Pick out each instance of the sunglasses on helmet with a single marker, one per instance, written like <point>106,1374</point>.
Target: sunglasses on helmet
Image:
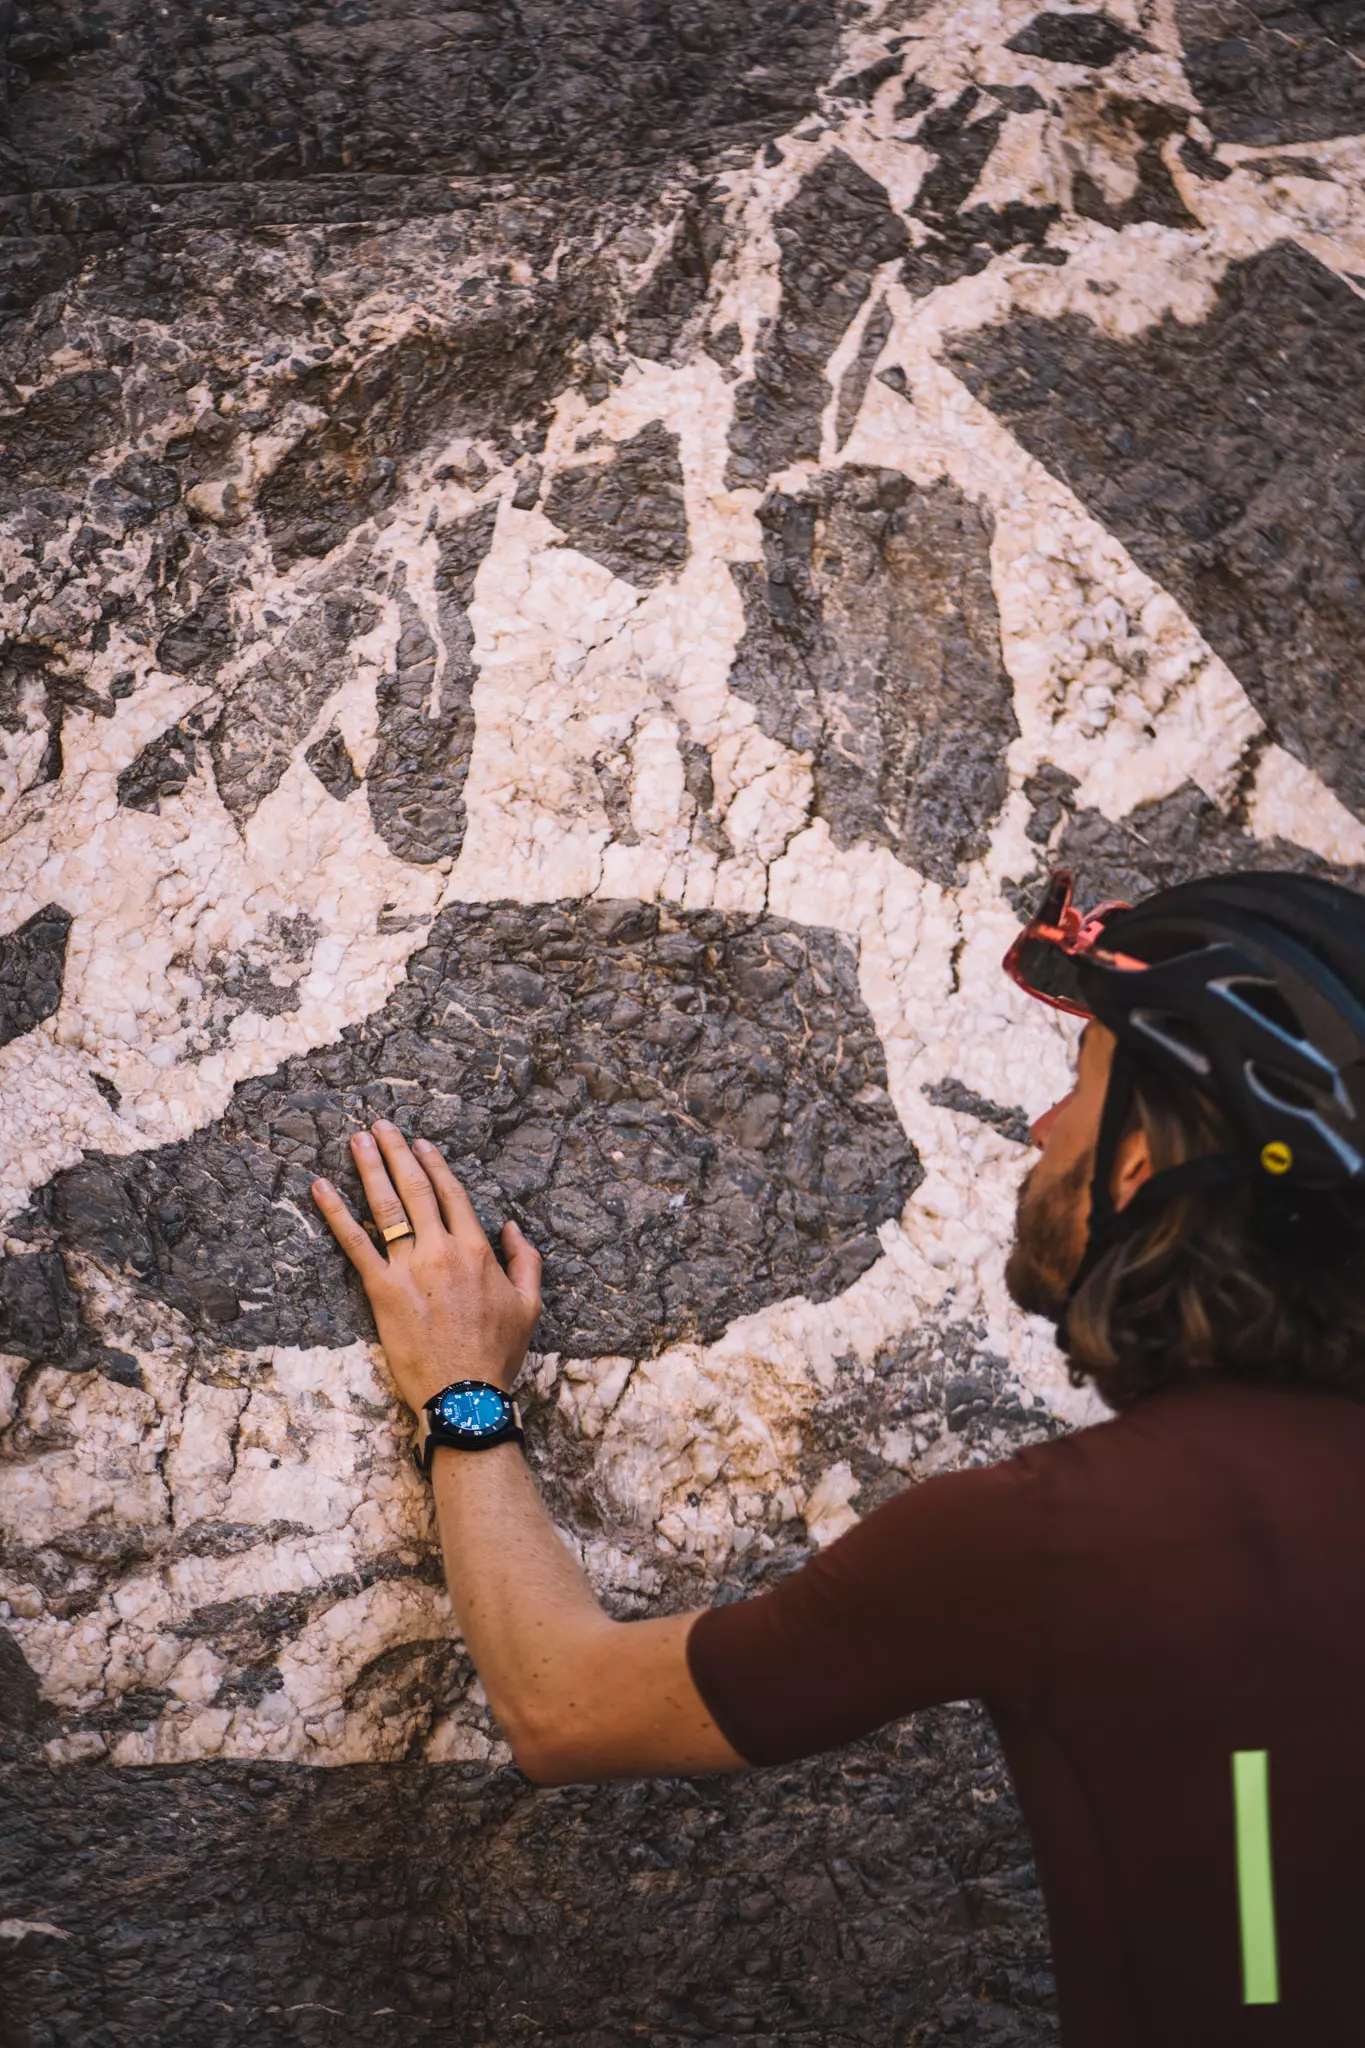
<point>1045,958</point>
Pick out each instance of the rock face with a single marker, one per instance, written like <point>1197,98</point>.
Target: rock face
<point>31,961</point>
<point>873,644</point>
<point>564,577</point>
<point>833,235</point>
<point>690,1111</point>
<point>1230,459</point>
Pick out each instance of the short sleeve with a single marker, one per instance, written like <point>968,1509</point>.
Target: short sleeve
<point>933,1597</point>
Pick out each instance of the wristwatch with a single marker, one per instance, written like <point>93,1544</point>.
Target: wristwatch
<point>469,1415</point>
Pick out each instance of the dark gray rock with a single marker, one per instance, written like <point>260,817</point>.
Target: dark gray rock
<point>262,976</point>
<point>883,1895</point>
<point>165,768</point>
<point>494,371</point>
<point>21,1702</point>
<point>38,1311</point>
<point>58,432</point>
<point>37,692</point>
<point>952,1094</point>
<point>962,240</point>
<point>627,512</point>
<point>1268,72</point>
<point>132,95</point>
<point>932,1383</point>
<point>832,237</point>
<point>1049,791</point>
<point>270,711</point>
<point>660,314</point>
<point>331,763</point>
<point>687,1112</point>
<point>862,86</point>
<point>416,779</point>
<point>32,962</point>
<point>1156,845</point>
<point>852,390</point>
<point>872,641</point>
<point>1229,458</point>
<point>1138,128</point>
<point>199,642</point>
<point>1090,39</point>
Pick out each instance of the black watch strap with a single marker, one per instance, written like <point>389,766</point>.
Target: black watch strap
<point>434,1433</point>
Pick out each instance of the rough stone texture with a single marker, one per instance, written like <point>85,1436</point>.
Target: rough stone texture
<point>627,512</point>
<point>962,239</point>
<point>332,765</point>
<point>496,365</point>
<point>1089,39</point>
<point>954,1094</point>
<point>122,96</point>
<point>358,364</point>
<point>1229,457</point>
<point>873,642</point>
<point>1266,72</point>
<point>162,770</point>
<point>1158,844</point>
<point>272,709</point>
<point>853,388</point>
<point>229,1904</point>
<point>663,310</point>
<point>689,1115</point>
<point>832,236</point>
<point>426,721</point>
<point>31,962</point>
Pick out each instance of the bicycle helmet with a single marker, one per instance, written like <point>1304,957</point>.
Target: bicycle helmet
<point>1247,987</point>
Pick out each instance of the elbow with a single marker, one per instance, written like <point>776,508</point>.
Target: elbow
<point>551,1763</point>
<point>543,1764</point>
<point>546,1753</point>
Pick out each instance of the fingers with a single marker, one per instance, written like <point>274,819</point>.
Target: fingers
<point>456,1207</point>
<point>523,1264</point>
<point>385,1206</point>
<point>414,1189</point>
<point>348,1233</point>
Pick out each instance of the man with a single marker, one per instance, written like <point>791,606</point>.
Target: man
<point>1162,1613</point>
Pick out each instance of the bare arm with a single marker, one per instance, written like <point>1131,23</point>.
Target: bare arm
<point>577,1694</point>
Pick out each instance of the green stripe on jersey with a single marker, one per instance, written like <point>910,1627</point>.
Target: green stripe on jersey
<point>1255,1889</point>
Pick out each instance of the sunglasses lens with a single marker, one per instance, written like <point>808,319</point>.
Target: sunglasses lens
<point>1049,972</point>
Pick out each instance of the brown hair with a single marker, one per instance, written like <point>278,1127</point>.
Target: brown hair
<point>1251,1281</point>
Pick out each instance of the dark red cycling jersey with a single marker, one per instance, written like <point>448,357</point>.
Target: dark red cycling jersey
<point>1165,1616</point>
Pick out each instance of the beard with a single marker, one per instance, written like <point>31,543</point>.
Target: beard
<point>1049,1239</point>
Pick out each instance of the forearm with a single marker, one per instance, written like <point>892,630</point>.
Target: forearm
<point>521,1599</point>
<point>578,1695</point>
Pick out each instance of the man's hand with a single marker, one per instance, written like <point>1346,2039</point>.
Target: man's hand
<point>445,1308</point>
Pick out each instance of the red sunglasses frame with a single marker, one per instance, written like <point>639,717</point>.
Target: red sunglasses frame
<point>1058,922</point>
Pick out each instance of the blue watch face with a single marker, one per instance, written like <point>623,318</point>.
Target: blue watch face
<point>478,1411</point>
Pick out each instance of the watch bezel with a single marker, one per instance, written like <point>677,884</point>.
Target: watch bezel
<point>434,1433</point>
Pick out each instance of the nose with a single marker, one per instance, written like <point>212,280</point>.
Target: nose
<point>1040,1131</point>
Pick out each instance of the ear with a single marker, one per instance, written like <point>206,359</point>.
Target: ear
<point>1132,1166</point>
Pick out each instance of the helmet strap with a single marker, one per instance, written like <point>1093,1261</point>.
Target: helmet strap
<point>1108,1226</point>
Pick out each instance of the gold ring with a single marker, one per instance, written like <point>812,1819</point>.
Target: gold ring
<point>397,1230</point>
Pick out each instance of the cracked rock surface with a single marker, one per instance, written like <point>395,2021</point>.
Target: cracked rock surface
<point>687,1113</point>
<point>1230,458</point>
<point>873,643</point>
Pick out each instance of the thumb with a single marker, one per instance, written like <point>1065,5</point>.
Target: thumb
<point>523,1264</point>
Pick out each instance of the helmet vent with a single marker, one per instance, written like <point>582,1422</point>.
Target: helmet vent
<point>1275,1086</point>
<point>1266,1000</point>
<point>1175,1036</point>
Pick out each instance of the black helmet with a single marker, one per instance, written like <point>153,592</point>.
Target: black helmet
<point>1248,987</point>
